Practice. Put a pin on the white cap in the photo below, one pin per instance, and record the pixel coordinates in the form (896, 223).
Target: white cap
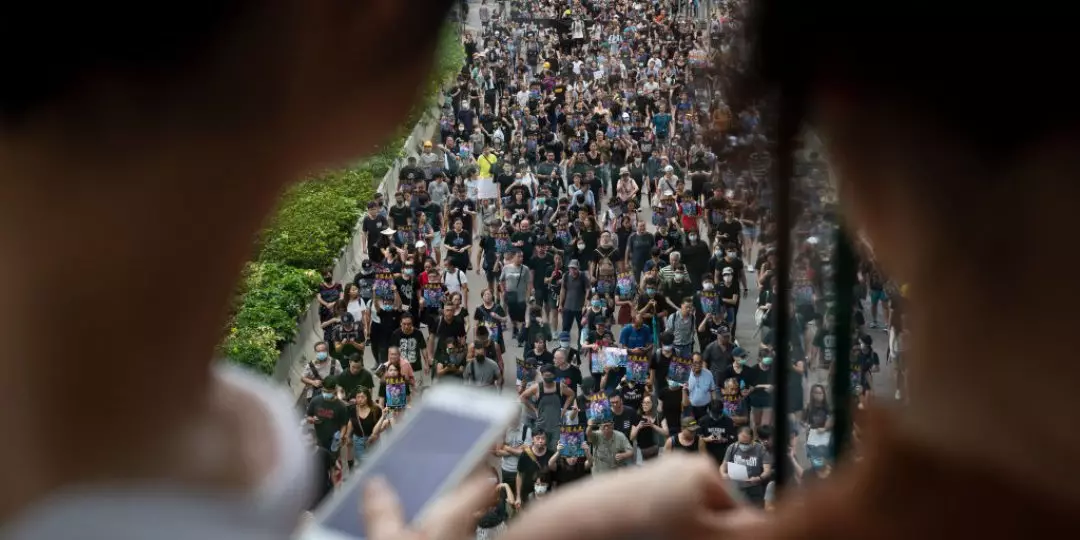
(420, 243)
(388, 231)
(669, 168)
(728, 271)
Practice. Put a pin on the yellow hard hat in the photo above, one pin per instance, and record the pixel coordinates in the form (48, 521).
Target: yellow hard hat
(567, 13)
(547, 65)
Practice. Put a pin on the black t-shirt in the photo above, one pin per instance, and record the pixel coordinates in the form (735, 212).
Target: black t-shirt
(732, 229)
(330, 416)
(458, 240)
(632, 394)
(447, 330)
(746, 379)
(729, 291)
(723, 427)
(565, 474)
(410, 346)
(541, 267)
(457, 211)
(400, 214)
(671, 401)
(350, 383)
(660, 364)
(571, 377)
(373, 227)
(626, 421)
(529, 467)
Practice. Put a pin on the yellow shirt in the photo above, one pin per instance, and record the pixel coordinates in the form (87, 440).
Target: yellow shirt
(485, 162)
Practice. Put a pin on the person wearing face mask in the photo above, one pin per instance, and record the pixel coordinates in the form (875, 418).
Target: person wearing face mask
(706, 304)
(761, 395)
(738, 369)
(749, 465)
(695, 255)
(317, 371)
(327, 414)
(729, 297)
(532, 464)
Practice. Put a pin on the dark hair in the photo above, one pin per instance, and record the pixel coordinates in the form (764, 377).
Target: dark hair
(764, 433)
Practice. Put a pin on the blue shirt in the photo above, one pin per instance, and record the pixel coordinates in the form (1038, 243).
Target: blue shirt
(700, 388)
(635, 338)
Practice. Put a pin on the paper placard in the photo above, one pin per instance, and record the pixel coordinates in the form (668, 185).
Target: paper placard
(571, 439)
(486, 188)
(599, 408)
(738, 472)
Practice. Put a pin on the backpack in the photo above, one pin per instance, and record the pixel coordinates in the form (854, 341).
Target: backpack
(456, 275)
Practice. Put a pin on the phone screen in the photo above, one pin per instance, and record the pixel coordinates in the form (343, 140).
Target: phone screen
(424, 455)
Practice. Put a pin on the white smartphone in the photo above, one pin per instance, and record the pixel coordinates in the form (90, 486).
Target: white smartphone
(436, 445)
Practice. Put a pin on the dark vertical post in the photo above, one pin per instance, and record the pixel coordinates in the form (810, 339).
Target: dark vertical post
(845, 314)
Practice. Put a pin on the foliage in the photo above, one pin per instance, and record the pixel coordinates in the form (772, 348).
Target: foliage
(315, 220)
(275, 295)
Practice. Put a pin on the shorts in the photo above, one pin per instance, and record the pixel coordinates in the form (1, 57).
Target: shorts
(760, 400)
(877, 295)
(750, 232)
(544, 298)
(516, 311)
(436, 242)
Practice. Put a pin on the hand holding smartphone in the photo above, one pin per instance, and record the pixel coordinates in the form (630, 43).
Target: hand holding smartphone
(428, 452)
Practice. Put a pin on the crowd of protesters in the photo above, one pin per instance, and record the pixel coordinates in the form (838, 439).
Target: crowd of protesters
(598, 178)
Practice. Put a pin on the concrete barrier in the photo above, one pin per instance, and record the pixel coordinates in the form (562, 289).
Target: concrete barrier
(296, 355)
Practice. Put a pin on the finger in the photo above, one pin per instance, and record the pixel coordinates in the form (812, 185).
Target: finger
(382, 511)
(452, 515)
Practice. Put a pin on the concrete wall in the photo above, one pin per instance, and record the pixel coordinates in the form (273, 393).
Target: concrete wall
(297, 354)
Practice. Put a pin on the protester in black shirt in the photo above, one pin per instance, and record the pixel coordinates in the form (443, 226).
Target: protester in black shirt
(718, 430)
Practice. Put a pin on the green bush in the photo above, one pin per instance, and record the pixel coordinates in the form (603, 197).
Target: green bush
(275, 295)
(314, 222)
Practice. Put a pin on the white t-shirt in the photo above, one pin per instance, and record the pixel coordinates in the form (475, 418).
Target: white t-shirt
(170, 512)
(454, 283)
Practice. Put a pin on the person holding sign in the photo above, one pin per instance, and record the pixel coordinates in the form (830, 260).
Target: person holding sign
(569, 468)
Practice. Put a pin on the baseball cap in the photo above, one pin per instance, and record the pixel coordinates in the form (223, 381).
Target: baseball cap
(688, 422)
(427, 144)
(728, 271)
(388, 231)
(420, 243)
(669, 168)
(575, 264)
(739, 352)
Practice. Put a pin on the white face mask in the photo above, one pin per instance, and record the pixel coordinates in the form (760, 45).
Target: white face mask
(707, 286)
(731, 254)
(540, 489)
